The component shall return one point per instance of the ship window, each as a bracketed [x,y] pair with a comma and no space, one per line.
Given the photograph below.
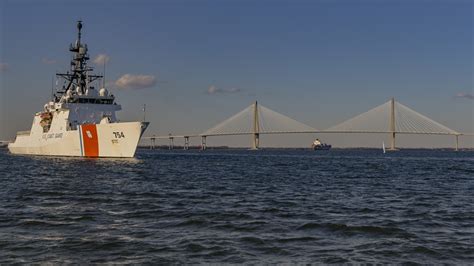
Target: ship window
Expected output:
[106,101]
[93,101]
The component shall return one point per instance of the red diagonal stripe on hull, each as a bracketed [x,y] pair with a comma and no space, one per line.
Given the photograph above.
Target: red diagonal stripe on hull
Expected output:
[90,139]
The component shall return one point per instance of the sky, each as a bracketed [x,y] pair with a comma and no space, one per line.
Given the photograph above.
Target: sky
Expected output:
[196,63]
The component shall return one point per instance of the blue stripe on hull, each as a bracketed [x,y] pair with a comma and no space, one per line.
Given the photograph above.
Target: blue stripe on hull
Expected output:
[80,140]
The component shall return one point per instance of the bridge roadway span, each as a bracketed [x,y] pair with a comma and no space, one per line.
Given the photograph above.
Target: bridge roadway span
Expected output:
[389,118]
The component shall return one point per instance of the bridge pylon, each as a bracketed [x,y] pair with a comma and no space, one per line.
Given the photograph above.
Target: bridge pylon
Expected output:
[255,121]
[256,128]
[203,143]
[392,125]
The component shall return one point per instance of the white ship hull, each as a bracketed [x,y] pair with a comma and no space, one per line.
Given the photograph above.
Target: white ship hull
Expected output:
[89,140]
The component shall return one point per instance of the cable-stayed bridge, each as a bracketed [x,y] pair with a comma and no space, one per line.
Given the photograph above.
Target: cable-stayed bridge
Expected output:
[390,118]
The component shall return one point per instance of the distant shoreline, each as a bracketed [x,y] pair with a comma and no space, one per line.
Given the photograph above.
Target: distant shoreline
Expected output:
[166,147]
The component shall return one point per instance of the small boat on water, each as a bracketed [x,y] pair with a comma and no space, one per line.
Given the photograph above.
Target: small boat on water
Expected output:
[3,144]
[318,145]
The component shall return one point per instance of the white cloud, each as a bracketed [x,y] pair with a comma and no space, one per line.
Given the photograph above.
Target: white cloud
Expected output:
[101,59]
[465,95]
[213,90]
[135,82]
[48,61]
[4,67]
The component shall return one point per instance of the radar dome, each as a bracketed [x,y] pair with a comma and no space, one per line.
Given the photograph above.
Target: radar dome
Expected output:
[103,92]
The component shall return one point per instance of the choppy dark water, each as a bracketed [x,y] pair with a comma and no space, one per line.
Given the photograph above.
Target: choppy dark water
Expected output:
[239,207]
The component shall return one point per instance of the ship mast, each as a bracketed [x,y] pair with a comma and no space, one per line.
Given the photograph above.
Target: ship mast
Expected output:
[79,78]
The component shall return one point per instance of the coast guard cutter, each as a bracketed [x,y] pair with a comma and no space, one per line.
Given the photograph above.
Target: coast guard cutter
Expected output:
[80,120]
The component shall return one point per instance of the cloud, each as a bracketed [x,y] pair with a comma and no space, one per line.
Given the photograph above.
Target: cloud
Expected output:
[465,95]
[48,61]
[135,82]
[213,90]
[4,67]
[101,59]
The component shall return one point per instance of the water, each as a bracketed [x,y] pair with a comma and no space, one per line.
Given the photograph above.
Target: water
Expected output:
[276,206]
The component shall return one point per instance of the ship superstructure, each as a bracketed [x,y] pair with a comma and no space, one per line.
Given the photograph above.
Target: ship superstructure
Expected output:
[80,120]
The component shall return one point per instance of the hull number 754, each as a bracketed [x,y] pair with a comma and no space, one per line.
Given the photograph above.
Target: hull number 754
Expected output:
[119,135]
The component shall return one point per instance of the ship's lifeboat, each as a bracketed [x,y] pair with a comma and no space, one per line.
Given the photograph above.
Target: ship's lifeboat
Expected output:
[46,119]
[46,115]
